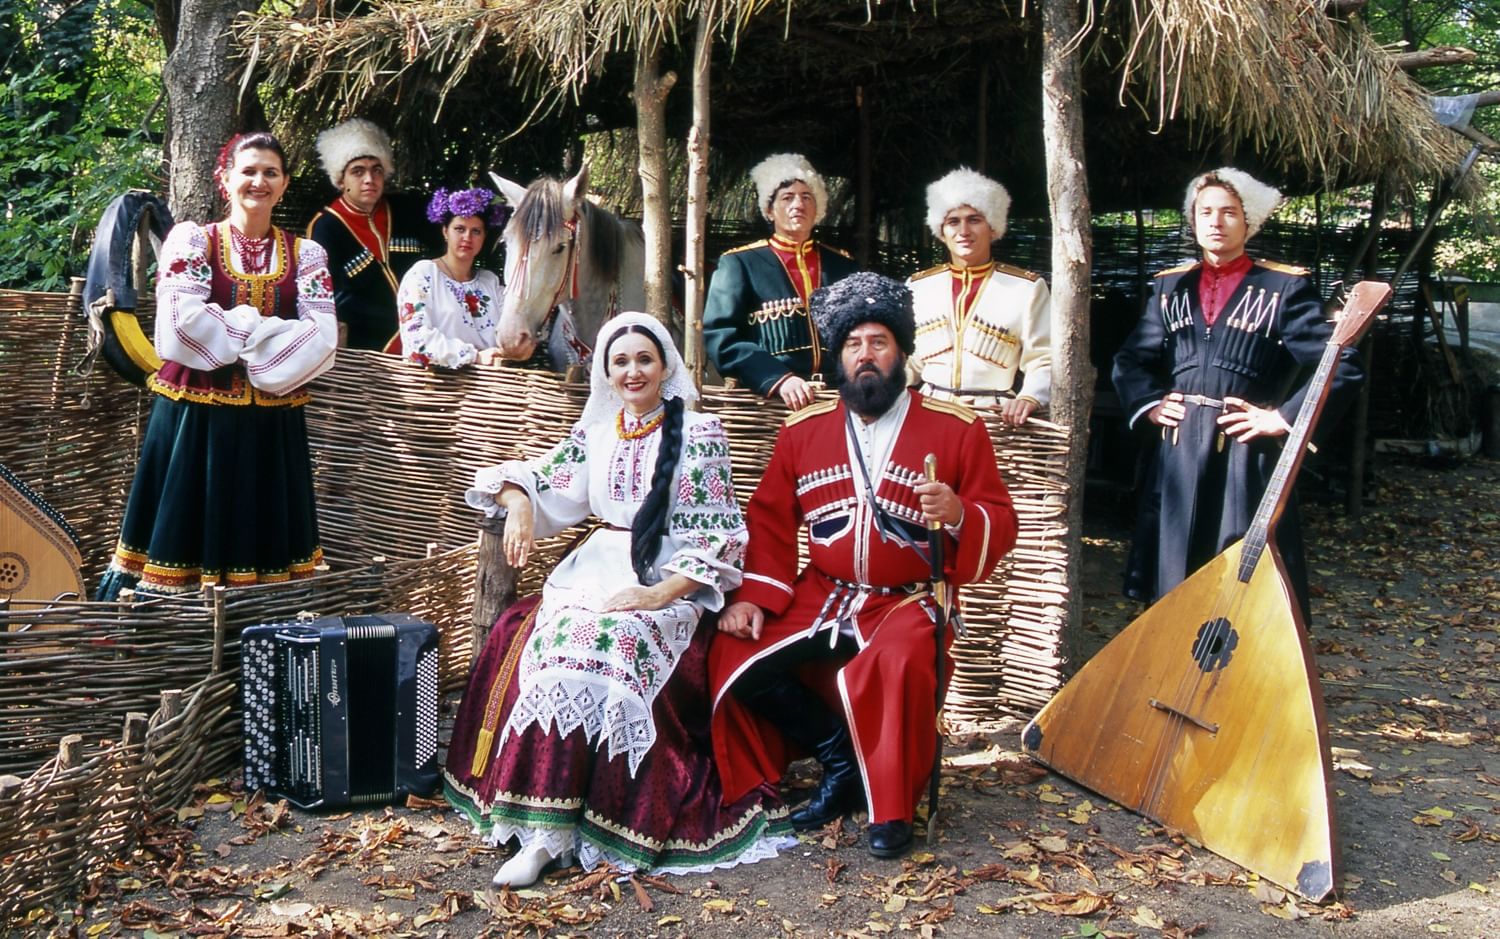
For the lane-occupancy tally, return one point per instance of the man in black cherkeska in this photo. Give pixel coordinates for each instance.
(372, 235)
(1208, 364)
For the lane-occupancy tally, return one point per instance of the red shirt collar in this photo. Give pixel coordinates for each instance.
(1217, 284)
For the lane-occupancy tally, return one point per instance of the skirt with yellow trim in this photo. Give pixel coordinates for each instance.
(567, 793)
(222, 495)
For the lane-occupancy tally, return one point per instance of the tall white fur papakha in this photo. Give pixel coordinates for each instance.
(963, 186)
(779, 168)
(1258, 199)
(354, 138)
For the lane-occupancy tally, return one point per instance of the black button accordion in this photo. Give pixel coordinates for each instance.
(341, 710)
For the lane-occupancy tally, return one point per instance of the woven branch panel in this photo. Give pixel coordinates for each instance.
(396, 445)
(71, 437)
(79, 668)
(72, 676)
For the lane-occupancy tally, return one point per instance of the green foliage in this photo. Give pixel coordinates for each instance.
(1410, 25)
(72, 109)
(1468, 241)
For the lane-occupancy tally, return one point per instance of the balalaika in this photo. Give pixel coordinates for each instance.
(341, 710)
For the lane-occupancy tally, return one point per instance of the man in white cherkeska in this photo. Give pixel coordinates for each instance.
(985, 321)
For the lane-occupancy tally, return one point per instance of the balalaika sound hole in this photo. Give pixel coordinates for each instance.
(1215, 644)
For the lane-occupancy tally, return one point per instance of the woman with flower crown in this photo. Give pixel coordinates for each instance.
(223, 490)
(584, 729)
(448, 307)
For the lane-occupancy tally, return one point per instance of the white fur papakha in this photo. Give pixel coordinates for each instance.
(1257, 199)
(778, 168)
(355, 138)
(963, 186)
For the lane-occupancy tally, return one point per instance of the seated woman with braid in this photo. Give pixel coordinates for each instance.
(584, 728)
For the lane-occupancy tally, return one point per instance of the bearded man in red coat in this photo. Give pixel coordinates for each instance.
(859, 621)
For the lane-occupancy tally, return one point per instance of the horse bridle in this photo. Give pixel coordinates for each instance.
(570, 266)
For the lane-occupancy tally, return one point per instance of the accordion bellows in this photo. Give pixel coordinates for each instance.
(341, 710)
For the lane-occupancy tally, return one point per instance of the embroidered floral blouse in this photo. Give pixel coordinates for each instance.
(193, 331)
(444, 321)
(595, 472)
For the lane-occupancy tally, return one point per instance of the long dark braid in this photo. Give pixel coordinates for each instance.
(651, 520)
(650, 524)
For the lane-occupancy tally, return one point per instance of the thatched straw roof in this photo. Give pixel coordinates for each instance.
(1171, 86)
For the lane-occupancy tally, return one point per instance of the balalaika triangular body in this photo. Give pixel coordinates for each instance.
(1209, 719)
(1206, 714)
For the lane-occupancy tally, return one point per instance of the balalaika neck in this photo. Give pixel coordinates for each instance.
(1279, 489)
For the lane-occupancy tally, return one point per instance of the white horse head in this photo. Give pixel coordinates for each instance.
(562, 250)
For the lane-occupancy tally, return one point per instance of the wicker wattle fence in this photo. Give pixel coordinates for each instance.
(112, 712)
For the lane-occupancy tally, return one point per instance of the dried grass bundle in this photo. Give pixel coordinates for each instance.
(1300, 86)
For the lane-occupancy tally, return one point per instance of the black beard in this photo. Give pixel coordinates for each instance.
(871, 392)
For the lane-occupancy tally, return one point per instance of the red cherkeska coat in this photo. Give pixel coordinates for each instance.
(886, 691)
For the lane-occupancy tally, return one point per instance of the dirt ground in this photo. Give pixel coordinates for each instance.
(1406, 605)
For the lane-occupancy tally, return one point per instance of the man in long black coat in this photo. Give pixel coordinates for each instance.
(1207, 364)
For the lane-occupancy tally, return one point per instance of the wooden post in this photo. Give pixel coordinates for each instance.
(216, 597)
(494, 583)
(170, 707)
(1317, 263)
(863, 242)
(372, 583)
(1072, 253)
(129, 768)
(982, 120)
(694, 266)
(1369, 253)
(651, 90)
(66, 807)
(1142, 278)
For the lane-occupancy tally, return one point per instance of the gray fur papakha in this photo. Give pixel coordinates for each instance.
(863, 297)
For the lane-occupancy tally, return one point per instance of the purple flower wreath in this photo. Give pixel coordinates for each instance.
(480, 202)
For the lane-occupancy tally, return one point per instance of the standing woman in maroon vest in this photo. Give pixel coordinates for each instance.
(223, 489)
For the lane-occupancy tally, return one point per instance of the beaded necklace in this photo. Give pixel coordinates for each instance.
(254, 253)
(641, 431)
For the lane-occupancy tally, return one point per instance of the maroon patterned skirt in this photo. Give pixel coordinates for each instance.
(566, 791)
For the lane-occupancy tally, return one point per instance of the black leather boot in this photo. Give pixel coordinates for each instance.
(841, 788)
(890, 839)
(805, 720)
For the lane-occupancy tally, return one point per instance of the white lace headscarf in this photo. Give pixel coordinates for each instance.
(604, 403)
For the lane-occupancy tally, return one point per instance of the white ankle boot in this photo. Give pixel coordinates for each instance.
(523, 869)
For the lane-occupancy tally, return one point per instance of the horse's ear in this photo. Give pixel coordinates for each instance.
(575, 189)
(513, 192)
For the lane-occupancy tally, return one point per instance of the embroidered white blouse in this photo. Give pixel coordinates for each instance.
(601, 671)
(445, 321)
(280, 355)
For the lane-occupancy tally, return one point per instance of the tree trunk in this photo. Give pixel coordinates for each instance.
(651, 90)
(202, 103)
(697, 199)
(1072, 250)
